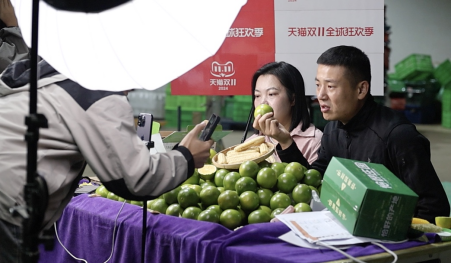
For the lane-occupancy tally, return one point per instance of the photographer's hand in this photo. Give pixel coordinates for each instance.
(7, 14)
(199, 149)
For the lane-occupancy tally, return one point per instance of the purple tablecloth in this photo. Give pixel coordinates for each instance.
(86, 230)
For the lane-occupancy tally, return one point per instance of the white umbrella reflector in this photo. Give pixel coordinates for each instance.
(139, 44)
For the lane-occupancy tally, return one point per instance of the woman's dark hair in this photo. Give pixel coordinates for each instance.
(352, 59)
(291, 79)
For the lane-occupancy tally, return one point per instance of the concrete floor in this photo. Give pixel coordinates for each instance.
(440, 144)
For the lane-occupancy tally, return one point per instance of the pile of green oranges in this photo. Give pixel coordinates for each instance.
(254, 193)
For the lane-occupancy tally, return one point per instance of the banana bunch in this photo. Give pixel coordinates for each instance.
(246, 151)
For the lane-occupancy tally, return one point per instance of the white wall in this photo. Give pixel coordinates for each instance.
(419, 26)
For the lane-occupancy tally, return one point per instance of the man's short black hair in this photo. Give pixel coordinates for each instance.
(354, 60)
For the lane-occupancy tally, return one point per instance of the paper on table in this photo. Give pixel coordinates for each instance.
(292, 238)
(323, 226)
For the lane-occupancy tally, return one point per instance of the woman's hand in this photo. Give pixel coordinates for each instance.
(269, 126)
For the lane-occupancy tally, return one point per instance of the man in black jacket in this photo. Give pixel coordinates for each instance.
(360, 129)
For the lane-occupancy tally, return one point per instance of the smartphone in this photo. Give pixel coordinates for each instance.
(210, 127)
(144, 126)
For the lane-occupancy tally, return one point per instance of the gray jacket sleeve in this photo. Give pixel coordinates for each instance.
(109, 143)
(12, 46)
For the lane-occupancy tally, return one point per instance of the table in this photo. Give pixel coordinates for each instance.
(86, 229)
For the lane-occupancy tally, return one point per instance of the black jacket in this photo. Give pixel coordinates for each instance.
(379, 134)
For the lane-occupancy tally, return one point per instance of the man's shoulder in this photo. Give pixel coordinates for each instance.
(385, 119)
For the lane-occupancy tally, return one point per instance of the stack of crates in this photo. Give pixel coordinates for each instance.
(442, 74)
(414, 87)
(237, 108)
(193, 109)
(445, 106)
(317, 116)
(414, 67)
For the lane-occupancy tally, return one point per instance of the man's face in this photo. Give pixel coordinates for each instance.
(338, 100)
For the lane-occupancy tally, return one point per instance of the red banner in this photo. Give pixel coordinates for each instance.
(249, 45)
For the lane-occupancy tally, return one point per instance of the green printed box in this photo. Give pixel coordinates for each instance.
(368, 199)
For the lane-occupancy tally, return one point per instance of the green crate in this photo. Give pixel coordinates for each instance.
(187, 102)
(445, 119)
(237, 110)
(445, 100)
(415, 67)
(187, 117)
(421, 93)
(396, 85)
(317, 116)
(243, 98)
(394, 76)
(442, 72)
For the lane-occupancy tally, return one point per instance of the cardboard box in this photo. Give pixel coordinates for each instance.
(368, 199)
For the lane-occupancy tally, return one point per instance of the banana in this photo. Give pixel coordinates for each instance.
(253, 142)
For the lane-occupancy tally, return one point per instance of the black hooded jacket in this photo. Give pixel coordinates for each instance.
(379, 134)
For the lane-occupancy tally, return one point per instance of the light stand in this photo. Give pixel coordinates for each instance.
(250, 118)
(35, 190)
(149, 144)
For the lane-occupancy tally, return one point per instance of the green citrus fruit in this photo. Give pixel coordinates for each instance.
(208, 183)
(280, 200)
(296, 169)
(171, 196)
(312, 177)
(249, 169)
(249, 201)
(230, 218)
(195, 187)
(258, 216)
(230, 179)
(138, 203)
(212, 154)
(302, 207)
(149, 203)
(266, 178)
(112, 196)
(207, 172)
(102, 191)
(221, 189)
(315, 189)
(262, 109)
(302, 193)
(219, 176)
(265, 208)
(264, 196)
(279, 168)
(191, 212)
(210, 216)
(216, 208)
(174, 210)
(194, 179)
(228, 200)
(275, 212)
(286, 182)
(159, 205)
(264, 164)
(245, 184)
(209, 196)
(187, 197)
